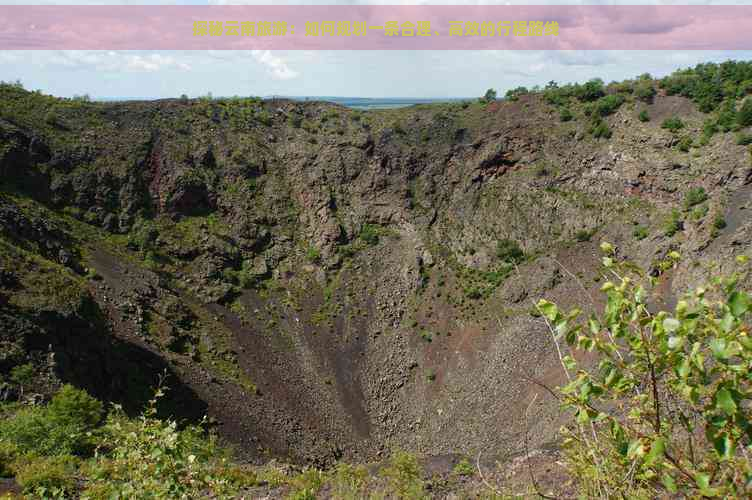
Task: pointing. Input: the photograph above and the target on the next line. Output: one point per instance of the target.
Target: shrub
(663, 411)
(743, 139)
(644, 90)
(489, 96)
(673, 124)
(640, 233)
(744, 116)
(8, 454)
(370, 234)
(673, 224)
(509, 251)
(47, 477)
(71, 406)
(464, 468)
(719, 222)
(584, 235)
(590, 91)
(313, 254)
(643, 116)
(608, 104)
(22, 375)
(599, 129)
(695, 196)
(684, 144)
(405, 476)
(565, 115)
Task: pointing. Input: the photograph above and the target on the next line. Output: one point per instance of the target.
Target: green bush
(673, 124)
(8, 454)
(47, 477)
(565, 115)
(640, 233)
(744, 116)
(743, 139)
(695, 196)
(599, 129)
(663, 411)
(404, 474)
(673, 224)
(584, 235)
(509, 251)
(643, 116)
(684, 144)
(609, 104)
(644, 90)
(71, 406)
(719, 222)
(370, 234)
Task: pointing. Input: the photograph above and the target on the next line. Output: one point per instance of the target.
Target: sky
(424, 74)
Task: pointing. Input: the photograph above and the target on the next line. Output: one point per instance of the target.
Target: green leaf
(656, 452)
(671, 324)
(675, 343)
(669, 483)
(738, 303)
(719, 348)
(636, 449)
(549, 310)
(724, 401)
(702, 480)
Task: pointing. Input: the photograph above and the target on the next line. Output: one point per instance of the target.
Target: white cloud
(275, 65)
(112, 61)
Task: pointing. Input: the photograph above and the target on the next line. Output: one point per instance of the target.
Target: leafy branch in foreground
(666, 408)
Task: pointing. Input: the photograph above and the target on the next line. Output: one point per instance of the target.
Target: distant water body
(367, 103)
(364, 103)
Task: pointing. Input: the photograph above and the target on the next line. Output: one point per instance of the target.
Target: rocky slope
(328, 283)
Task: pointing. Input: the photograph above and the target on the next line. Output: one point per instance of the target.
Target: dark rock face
(331, 286)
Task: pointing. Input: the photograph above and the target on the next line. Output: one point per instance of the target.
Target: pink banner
(447, 27)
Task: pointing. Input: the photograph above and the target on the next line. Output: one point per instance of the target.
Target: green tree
(664, 410)
(489, 96)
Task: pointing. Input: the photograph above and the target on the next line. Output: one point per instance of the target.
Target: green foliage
(673, 124)
(673, 224)
(684, 143)
(47, 477)
(609, 104)
(584, 235)
(719, 222)
(514, 94)
(640, 233)
(709, 84)
(370, 234)
(404, 474)
(695, 196)
(643, 116)
(489, 96)
(71, 406)
(743, 139)
(464, 468)
(565, 115)
(599, 128)
(644, 90)
(590, 91)
(22, 375)
(744, 116)
(313, 254)
(61, 428)
(509, 251)
(8, 454)
(664, 411)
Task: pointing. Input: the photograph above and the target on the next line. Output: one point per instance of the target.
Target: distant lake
(364, 103)
(379, 102)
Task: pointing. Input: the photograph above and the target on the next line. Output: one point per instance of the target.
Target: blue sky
(332, 73)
